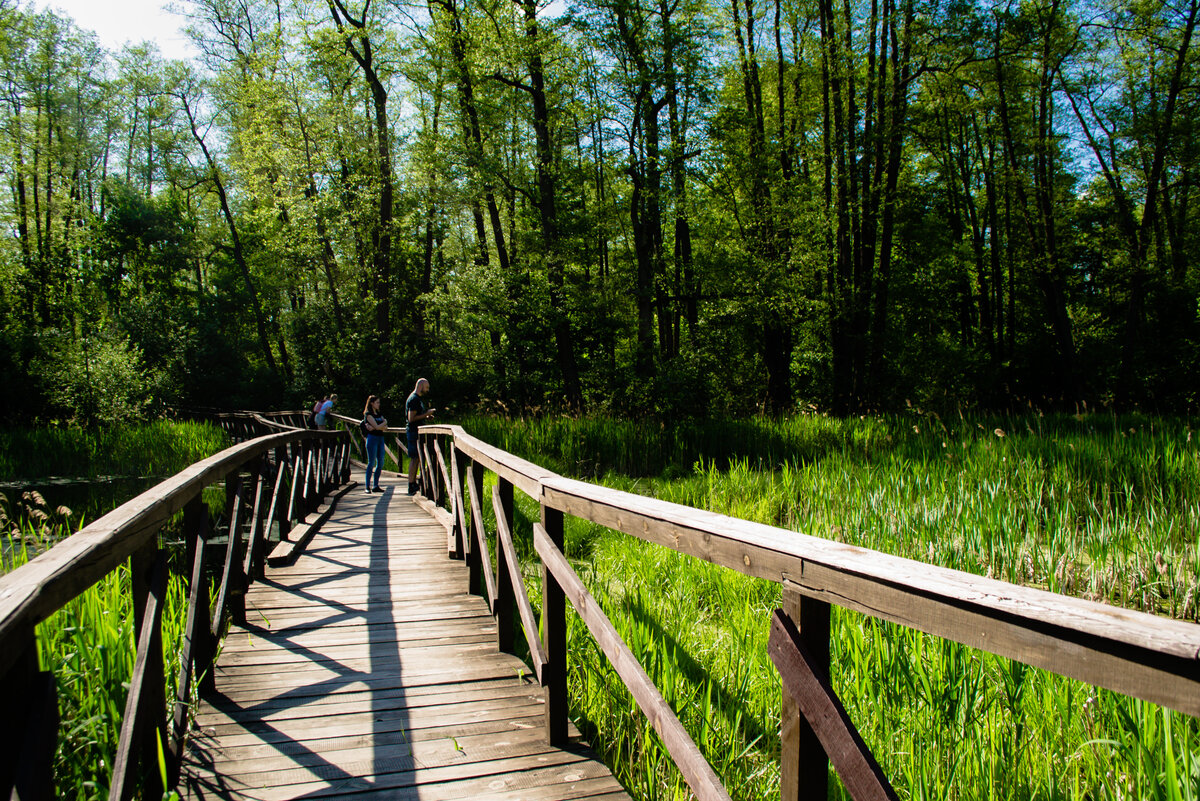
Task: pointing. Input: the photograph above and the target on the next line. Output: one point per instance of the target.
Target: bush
(95, 379)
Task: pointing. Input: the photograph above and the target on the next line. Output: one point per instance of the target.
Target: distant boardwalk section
(365, 669)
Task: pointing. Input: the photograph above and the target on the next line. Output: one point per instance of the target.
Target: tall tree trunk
(358, 44)
(548, 214)
(239, 255)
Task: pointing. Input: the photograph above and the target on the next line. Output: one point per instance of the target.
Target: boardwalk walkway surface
(365, 669)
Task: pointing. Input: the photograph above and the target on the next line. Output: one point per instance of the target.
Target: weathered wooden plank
(206, 745)
(312, 679)
(283, 705)
(554, 629)
(687, 757)
(479, 533)
(345, 756)
(803, 765)
(506, 601)
(467, 780)
(806, 680)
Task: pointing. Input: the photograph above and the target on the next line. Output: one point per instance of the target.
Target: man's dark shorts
(412, 444)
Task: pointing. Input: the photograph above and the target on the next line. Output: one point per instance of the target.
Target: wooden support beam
(696, 771)
(135, 767)
(804, 767)
(504, 546)
(806, 679)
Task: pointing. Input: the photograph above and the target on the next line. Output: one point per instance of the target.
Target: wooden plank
(469, 780)
(461, 546)
(442, 471)
(687, 757)
(343, 753)
(807, 681)
(228, 585)
(506, 601)
(524, 608)
(251, 563)
(803, 765)
(554, 631)
(198, 648)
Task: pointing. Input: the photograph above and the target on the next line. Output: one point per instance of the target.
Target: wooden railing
(392, 449)
(277, 475)
(1144, 656)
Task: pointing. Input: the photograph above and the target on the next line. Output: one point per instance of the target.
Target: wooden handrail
(1145, 656)
(1153, 658)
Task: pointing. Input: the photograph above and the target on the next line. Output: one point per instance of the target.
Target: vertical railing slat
(804, 768)
(135, 767)
(505, 592)
(554, 636)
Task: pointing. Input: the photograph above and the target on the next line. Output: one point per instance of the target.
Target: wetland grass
(1095, 506)
(89, 644)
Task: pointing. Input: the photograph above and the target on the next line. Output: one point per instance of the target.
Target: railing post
(252, 566)
(506, 593)
(554, 636)
(28, 724)
(804, 766)
(135, 766)
(464, 524)
(295, 495)
(231, 594)
(198, 633)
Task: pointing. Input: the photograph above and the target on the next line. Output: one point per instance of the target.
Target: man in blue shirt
(415, 408)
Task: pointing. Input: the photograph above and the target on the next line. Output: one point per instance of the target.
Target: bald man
(415, 407)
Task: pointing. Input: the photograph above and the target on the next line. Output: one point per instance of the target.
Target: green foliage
(94, 379)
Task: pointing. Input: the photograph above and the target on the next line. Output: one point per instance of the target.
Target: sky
(116, 22)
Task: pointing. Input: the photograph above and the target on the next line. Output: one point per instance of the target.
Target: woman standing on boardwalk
(375, 426)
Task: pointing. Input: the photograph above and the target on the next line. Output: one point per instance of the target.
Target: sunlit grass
(159, 448)
(1093, 506)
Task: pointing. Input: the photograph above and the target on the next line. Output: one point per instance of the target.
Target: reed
(1096, 506)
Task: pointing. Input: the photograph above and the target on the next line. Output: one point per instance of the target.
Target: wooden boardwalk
(365, 669)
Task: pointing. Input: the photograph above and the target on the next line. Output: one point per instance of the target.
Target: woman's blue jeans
(374, 458)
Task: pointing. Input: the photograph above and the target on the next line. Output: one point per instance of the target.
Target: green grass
(90, 647)
(1094, 506)
(160, 448)
(89, 644)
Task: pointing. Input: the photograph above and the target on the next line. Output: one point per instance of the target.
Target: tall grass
(159, 448)
(89, 645)
(1100, 507)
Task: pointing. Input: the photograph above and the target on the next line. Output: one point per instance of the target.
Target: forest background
(637, 207)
